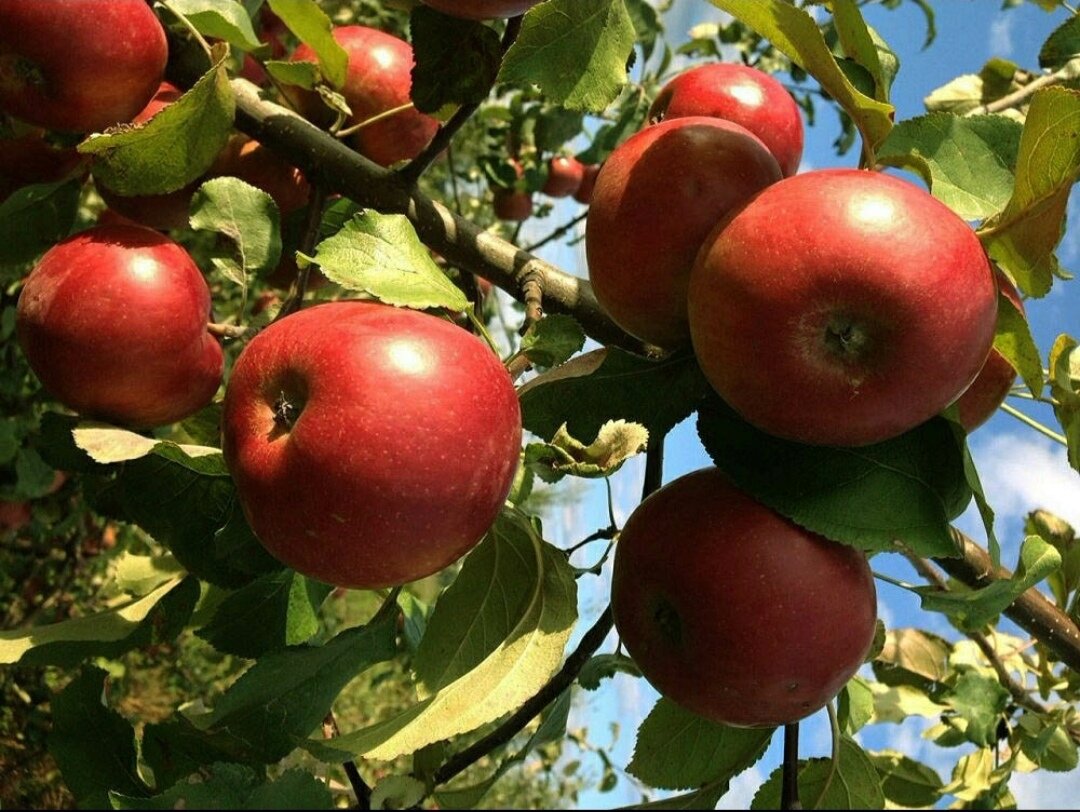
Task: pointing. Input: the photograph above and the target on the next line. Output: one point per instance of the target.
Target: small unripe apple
(745, 95)
(481, 9)
(370, 445)
(113, 321)
(657, 198)
(734, 612)
(842, 307)
(79, 65)
(379, 79)
(565, 173)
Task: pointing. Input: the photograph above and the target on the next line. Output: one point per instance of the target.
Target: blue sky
(1020, 469)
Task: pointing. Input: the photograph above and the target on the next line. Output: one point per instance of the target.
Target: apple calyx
(286, 411)
(668, 621)
(846, 338)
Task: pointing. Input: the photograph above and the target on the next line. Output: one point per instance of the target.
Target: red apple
(741, 94)
(565, 174)
(842, 307)
(264, 169)
(588, 184)
(79, 65)
(657, 198)
(379, 79)
(481, 9)
(991, 386)
(14, 516)
(370, 445)
(512, 204)
(734, 612)
(113, 322)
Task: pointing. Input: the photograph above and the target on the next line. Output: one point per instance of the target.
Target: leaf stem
(191, 28)
(834, 762)
(789, 789)
(375, 119)
(560, 231)
(894, 581)
(1035, 424)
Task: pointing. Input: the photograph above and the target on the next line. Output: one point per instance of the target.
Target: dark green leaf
(855, 784)
(864, 46)
(456, 61)
(33, 219)
(223, 19)
(603, 666)
(1062, 45)
(1047, 743)
(235, 786)
(552, 340)
(980, 701)
(907, 783)
(704, 798)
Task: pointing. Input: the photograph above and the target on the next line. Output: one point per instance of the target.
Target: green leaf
(287, 693)
(1013, 339)
(1047, 743)
(235, 786)
(380, 254)
(980, 701)
(616, 442)
(909, 487)
(301, 74)
(477, 678)
(855, 705)
(552, 340)
(174, 147)
(603, 666)
(704, 798)
(455, 60)
(861, 44)
(576, 51)
(93, 745)
(676, 749)
(139, 575)
(795, 33)
(1065, 389)
(1023, 237)
(855, 784)
(986, 512)
(157, 618)
(907, 783)
(277, 610)
(610, 384)
(107, 444)
(973, 609)
(1061, 46)
(33, 476)
(311, 26)
(967, 161)
(33, 219)
(248, 217)
(912, 657)
(223, 19)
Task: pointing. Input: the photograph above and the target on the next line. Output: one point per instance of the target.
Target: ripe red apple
(657, 198)
(741, 94)
(79, 65)
(588, 183)
(734, 612)
(512, 204)
(264, 169)
(565, 173)
(481, 9)
(370, 445)
(113, 322)
(842, 307)
(379, 79)
(991, 386)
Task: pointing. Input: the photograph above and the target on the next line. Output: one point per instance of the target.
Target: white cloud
(1045, 790)
(1001, 40)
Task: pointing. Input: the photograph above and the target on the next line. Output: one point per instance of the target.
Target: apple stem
(1033, 423)
(789, 791)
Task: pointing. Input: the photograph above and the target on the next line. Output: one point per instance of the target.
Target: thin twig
(360, 787)
(1031, 422)
(316, 201)
(554, 235)
(375, 119)
(1018, 97)
(789, 788)
(227, 330)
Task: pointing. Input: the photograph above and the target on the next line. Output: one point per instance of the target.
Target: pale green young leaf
(552, 340)
(139, 575)
(1013, 339)
(861, 44)
(247, 216)
(1065, 388)
(301, 74)
(912, 656)
(972, 775)
(854, 784)
(677, 749)
(616, 442)
(907, 783)
(311, 26)
(603, 666)
(795, 33)
(380, 255)
(174, 147)
(855, 705)
(575, 50)
(223, 19)
(896, 703)
(1047, 743)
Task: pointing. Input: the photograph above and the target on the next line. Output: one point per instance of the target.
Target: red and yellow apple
(734, 612)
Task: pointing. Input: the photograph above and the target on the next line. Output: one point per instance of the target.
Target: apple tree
(292, 381)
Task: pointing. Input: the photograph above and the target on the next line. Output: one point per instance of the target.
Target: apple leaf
(1047, 743)
(912, 657)
(286, 694)
(483, 654)
(139, 575)
(854, 705)
(552, 340)
(223, 19)
(676, 749)
(93, 745)
(248, 217)
(456, 61)
(907, 783)
(907, 488)
(1065, 389)
(174, 147)
(106, 444)
(973, 609)
(576, 51)
(610, 384)
(235, 786)
(311, 26)
(1013, 339)
(795, 33)
(157, 618)
(973, 776)
(863, 46)
(1061, 46)
(277, 610)
(986, 512)
(616, 442)
(852, 784)
(1022, 238)
(967, 161)
(897, 702)
(979, 700)
(32, 220)
(705, 797)
(604, 666)
(301, 74)
(380, 254)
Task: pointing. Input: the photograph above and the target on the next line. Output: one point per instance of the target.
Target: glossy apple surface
(379, 79)
(656, 199)
(742, 94)
(113, 322)
(481, 9)
(991, 386)
(842, 307)
(79, 65)
(734, 612)
(370, 445)
(565, 173)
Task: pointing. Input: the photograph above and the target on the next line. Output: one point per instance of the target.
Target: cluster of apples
(834, 307)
